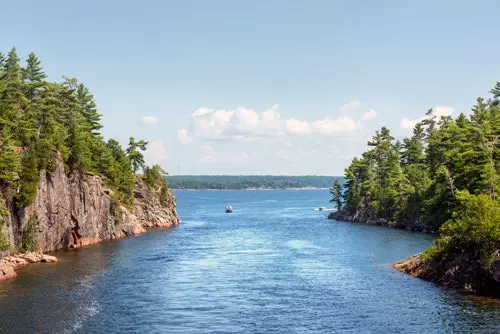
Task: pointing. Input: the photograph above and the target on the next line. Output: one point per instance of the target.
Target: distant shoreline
(249, 189)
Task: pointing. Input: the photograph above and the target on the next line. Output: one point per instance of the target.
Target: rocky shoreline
(414, 226)
(9, 263)
(460, 274)
(77, 210)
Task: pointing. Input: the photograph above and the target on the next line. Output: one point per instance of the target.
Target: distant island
(247, 182)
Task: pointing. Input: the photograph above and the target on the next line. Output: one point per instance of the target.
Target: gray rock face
(77, 210)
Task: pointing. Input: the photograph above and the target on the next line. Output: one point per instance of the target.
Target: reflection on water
(273, 265)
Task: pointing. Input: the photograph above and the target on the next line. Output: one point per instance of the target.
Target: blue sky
(262, 87)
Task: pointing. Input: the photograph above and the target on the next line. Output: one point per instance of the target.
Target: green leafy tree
(134, 154)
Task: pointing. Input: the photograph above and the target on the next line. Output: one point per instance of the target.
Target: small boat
(321, 208)
(229, 209)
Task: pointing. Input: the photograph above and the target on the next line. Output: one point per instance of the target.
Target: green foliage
(247, 181)
(155, 179)
(474, 229)
(416, 182)
(42, 121)
(29, 235)
(4, 242)
(336, 192)
(134, 154)
(29, 178)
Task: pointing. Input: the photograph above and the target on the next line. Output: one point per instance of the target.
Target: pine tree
(136, 157)
(336, 192)
(89, 109)
(33, 76)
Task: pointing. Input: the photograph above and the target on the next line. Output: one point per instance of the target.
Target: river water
(273, 265)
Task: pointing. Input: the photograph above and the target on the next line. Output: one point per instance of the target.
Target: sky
(265, 86)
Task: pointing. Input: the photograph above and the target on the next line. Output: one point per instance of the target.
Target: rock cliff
(76, 210)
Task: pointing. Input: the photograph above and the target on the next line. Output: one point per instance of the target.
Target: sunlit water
(273, 265)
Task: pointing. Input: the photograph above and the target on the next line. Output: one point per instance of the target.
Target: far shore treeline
(220, 182)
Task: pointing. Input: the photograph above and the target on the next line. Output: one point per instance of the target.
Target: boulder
(48, 258)
(6, 271)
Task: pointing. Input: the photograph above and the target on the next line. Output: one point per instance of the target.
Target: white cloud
(152, 120)
(442, 111)
(333, 126)
(295, 126)
(247, 125)
(271, 113)
(156, 152)
(369, 115)
(183, 137)
(354, 104)
(439, 111)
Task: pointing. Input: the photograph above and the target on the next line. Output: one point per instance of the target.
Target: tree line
(247, 181)
(445, 177)
(41, 121)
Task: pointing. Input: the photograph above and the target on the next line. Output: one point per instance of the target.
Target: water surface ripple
(273, 265)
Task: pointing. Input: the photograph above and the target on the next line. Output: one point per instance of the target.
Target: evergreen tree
(133, 153)
(336, 192)
(33, 76)
(89, 109)
(419, 181)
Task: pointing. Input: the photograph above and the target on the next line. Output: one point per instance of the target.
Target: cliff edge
(75, 210)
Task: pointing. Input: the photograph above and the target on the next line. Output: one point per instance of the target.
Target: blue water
(273, 265)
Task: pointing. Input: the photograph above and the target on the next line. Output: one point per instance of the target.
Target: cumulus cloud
(152, 120)
(442, 111)
(439, 111)
(295, 126)
(156, 152)
(333, 126)
(353, 105)
(183, 137)
(247, 124)
(369, 115)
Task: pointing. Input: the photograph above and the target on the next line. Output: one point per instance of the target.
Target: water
(273, 265)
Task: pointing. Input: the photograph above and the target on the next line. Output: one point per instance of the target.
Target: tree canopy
(41, 121)
(445, 177)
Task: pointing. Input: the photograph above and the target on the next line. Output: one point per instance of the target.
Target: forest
(247, 181)
(444, 178)
(42, 121)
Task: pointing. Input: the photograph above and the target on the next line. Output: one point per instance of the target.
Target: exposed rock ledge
(9, 263)
(460, 273)
(363, 218)
(75, 210)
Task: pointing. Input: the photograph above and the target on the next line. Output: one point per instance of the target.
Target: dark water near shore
(274, 265)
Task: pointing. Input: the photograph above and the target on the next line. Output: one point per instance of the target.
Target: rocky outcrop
(461, 273)
(29, 257)
(9, 263)
(6, 271)
(76, 210)
(365, 217)
(151, 210)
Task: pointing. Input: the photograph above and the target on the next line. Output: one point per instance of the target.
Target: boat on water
(229, 209)
(323, 208)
